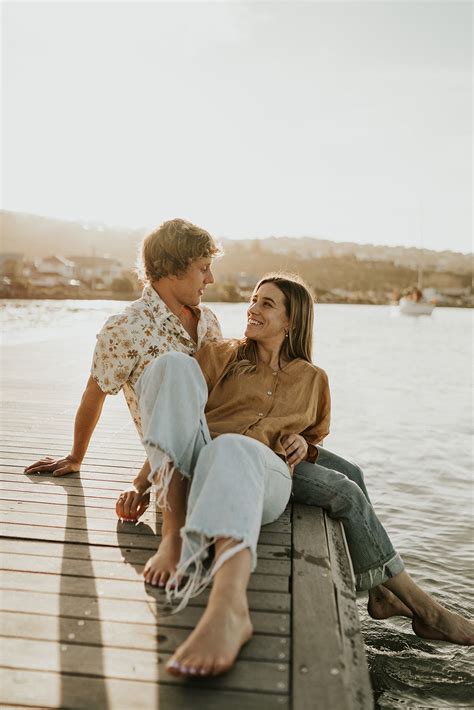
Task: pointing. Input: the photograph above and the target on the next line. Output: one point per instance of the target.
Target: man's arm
(85, 422)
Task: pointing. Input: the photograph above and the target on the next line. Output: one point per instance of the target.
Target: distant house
(52, 271)
(96, 270)
(11, 265)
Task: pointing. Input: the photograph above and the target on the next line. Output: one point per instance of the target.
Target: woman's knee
(340, 495)
(356, 474)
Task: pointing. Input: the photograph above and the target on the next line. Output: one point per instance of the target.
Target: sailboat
(415, 304)
(408, 307)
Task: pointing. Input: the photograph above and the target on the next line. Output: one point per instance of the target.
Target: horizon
(357, 124)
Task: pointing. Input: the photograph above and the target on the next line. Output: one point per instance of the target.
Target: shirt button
(269, 392)
(260, 414)
(274, 373)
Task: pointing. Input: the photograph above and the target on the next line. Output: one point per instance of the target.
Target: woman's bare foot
(162, 565)
(383, 604)
(214, 645)
(443, 625)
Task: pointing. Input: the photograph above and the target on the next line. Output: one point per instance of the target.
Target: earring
(286, 333)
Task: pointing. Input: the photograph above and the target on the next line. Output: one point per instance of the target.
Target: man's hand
(296, 448)
(58, 467)
(86, 419)
(132, 503)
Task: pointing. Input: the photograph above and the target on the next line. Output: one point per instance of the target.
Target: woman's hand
(296, 448)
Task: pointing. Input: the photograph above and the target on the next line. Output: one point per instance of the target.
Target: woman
(239, 417)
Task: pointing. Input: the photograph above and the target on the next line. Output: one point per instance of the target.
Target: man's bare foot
(162, 565)
(443, 625)
(383, 604)
(214, 645)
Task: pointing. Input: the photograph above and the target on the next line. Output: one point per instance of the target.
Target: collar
(158, 307)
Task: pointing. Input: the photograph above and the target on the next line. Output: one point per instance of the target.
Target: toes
(164, 576)
(173, 667)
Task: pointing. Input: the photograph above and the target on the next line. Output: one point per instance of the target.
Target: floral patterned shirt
(129, 341)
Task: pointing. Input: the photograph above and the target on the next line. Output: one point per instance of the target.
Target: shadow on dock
(68, 690)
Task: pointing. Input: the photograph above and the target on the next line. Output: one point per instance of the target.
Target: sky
(348, 121)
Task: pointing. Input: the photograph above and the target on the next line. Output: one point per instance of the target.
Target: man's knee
(231, 452)
(170, 359)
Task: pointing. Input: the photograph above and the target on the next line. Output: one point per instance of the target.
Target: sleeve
(320, 429)
(115, 355)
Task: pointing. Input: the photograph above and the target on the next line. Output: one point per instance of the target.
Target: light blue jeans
(338, 486)
(237, 484)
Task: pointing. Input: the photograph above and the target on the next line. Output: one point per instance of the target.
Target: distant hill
(35, 236)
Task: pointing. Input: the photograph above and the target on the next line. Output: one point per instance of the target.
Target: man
(176, 260)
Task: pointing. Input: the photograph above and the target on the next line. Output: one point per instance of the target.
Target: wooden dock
(79, 627)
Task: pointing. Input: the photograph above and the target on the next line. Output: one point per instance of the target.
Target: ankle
(234, 600)
(428, 615)
(170, 534)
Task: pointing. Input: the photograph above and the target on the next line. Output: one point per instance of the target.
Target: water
(401, 397)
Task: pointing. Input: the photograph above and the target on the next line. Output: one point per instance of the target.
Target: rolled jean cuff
(378, 575)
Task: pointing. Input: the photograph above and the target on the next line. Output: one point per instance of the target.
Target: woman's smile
(254, 321)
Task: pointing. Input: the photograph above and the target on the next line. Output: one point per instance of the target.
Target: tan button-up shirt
(267, 404)
(129, 341)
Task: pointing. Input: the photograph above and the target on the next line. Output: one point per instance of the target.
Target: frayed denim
(338, 486)
(237, 483)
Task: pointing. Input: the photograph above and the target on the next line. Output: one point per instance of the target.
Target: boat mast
(420, 261)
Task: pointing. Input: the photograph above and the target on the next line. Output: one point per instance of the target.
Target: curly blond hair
(172, 247)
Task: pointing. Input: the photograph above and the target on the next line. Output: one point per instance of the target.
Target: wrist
(75, 458)
(141, 484)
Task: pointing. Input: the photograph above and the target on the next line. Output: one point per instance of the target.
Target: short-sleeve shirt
(129, 341)
(266, 404)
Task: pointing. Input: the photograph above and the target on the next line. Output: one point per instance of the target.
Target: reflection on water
(401, 395)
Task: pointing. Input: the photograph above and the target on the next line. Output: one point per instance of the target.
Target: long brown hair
(299, 303)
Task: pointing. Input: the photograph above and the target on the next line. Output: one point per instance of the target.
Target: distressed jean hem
(198, 544)
(368, 579)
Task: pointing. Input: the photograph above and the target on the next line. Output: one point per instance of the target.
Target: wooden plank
(115, 571)
(59, 487)
(120, 589)
(21, 461)
(121, 537)
(117, 635)
(317, 679)
(49, 690)
(16, 437)
(65, 518)
(94, 457)
(10, 502)
(134, 557)
(356, 671)
(132, 664)
(72, 482)
(133, 612)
